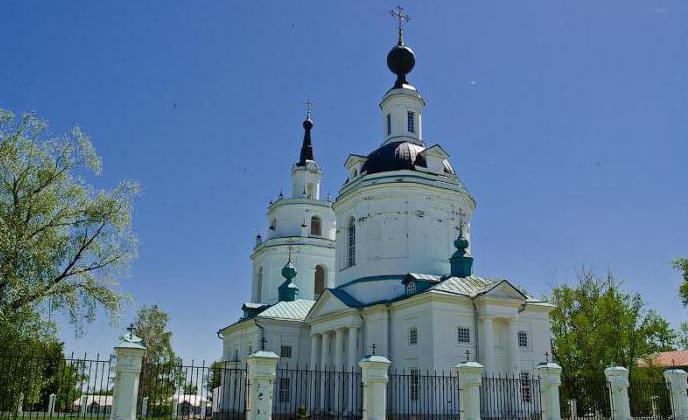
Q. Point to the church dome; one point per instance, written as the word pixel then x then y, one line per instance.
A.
pixel 398 156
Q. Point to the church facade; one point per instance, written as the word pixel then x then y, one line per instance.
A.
pixel 387 267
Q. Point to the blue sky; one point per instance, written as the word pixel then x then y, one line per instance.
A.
pixel 566 120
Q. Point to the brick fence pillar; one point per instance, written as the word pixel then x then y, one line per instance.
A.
pixel 678 388
pixel 617 377
pixel 262 369
pixel 550 380
pixel 470 377
pixel 129 353
pixel 374 377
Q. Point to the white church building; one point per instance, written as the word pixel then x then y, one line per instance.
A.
pixel 387 267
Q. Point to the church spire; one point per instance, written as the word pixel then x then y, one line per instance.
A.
pixel 307 146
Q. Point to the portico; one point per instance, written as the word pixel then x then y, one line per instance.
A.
pixel 334 342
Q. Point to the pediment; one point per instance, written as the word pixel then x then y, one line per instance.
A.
pixel 504 290
pixel 328 303
pixel 436 151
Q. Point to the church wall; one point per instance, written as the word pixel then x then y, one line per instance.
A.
pixel 447 317
pixel 536 323
pixel 247 339
pixel 240 341
pixel 404 354
pixel 374 291
pixel 289 217
pixel 304 257
pixel 376 330
pixel 400 228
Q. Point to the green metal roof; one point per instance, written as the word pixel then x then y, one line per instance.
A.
pixel 294 310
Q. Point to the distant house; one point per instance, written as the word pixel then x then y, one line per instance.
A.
pixel 95 404
pixel 668 359
pixel 188 404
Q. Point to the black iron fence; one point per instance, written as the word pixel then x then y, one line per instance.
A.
pixel 193 391
pixel 510 397
pixel 418 394
pixel 317 393
pixel 43 387
pixel 650 399
pixel 582 398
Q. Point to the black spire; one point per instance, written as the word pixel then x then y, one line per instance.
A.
pixel 307 146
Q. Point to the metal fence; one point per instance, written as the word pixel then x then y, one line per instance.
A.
pixel 41 387
pixel 193 391
pixel 427 395
pixel 585 399
pixel 317 393
pixel 510 397
pixel 650 399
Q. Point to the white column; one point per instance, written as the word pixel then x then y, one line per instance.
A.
pixel 550 380
pixel 338 349
pixel 487 344
pixel 314 351
pixel 262 369
pixel 512 343
pixel 129 353
pixel 325 350
pixel 84 405
pixel 144 407
pixel 617 376
pixel 338 362
pixel 678 387
pixel 374 378
pixel 351 363
pixel 470 377
pixel 324 362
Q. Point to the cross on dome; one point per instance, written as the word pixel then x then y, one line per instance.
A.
pixel 399 13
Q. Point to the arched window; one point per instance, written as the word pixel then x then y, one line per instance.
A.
pixel 316 226
pixel 351 243
pixel 259 285
pixel 319 285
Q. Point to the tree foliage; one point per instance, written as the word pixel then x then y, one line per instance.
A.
pixel 597 324
pixel 61 240
pixel 162 373
pixel 681 264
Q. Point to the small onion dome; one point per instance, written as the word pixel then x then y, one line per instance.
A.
pixel 289 271
pixel 401 60
pixel 461 243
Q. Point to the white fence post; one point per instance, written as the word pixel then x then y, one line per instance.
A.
pixel 470 377
pixel 144 407
pixel 617 376
pixel 678 392
pixel 51 404
pixel 83 405
pixel 550 380
pixel 374 377
pixel 262 369
pixel 129 353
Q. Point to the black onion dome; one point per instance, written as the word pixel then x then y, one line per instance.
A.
pixel 401 60
pixel 398 156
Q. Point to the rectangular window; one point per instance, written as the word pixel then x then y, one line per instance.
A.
pixel 414 382
pixel 463 335
pixel 526 390
pixel 284 391
pixel 285 351
pixel 389 124
pixel 522 339
pixel 410 122
pixel 413 335
pixel 351 244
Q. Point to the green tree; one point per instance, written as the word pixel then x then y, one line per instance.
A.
pixel 681 264
pixel 162 372
pixel 596 324
pixel 62 242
